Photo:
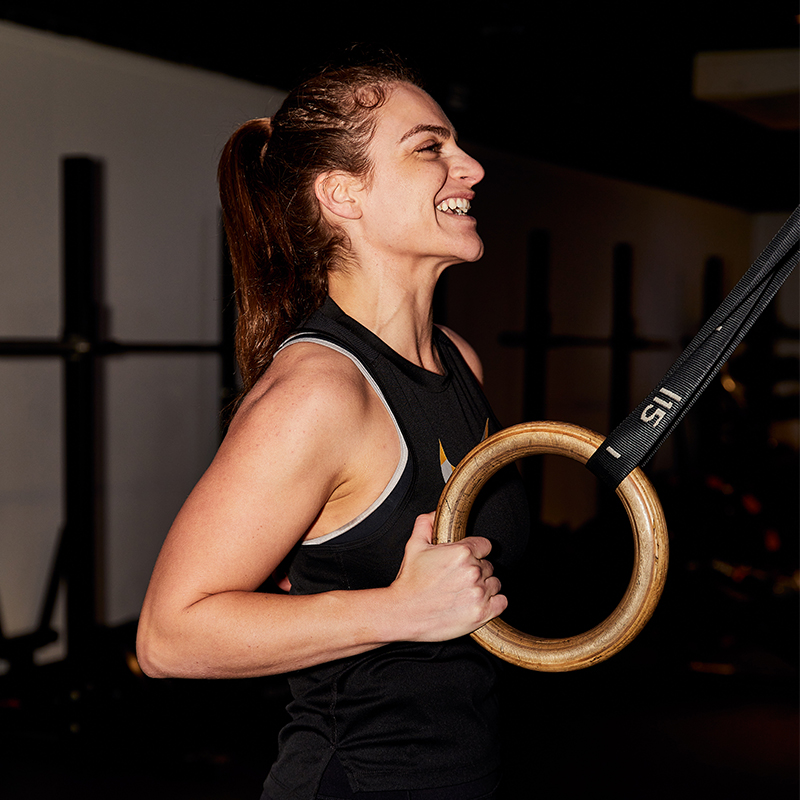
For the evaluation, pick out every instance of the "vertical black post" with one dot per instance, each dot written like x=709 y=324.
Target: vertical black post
x=622 y=335
x=537 y=332
x=82 y=248
x=707 y=412
x=622 y=346
x=713 y=289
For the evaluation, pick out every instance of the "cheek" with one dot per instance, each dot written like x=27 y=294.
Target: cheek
x=405 y=198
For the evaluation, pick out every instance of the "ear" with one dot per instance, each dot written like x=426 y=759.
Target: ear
x=338 y=193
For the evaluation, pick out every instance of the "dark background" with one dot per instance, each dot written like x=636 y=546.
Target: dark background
x=603 y=87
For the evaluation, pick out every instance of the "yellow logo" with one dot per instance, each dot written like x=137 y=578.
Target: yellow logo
x=446 y=467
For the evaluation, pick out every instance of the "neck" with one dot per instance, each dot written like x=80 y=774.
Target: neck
x=399 y=313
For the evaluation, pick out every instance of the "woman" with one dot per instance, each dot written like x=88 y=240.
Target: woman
x=341 y=214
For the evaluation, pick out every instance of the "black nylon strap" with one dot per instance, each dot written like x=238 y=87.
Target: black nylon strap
x=634 y=441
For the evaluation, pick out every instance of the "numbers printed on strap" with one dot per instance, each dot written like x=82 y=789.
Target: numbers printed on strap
x=653 y=414
x=634 y=441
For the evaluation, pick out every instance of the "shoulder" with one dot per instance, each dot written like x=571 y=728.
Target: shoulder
x=310 y=404
x=290 y=447
x=467 y=352
x=307 y=378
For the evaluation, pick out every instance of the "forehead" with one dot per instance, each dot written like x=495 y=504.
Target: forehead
x=409 y=112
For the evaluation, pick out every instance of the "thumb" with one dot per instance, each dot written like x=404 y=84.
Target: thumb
x=422 y=533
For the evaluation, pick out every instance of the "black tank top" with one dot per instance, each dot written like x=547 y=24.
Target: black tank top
x=407 y=715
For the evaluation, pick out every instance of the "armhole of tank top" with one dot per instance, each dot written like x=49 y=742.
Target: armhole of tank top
x=402 y=462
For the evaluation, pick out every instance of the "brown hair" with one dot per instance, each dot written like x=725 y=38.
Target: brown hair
x=279 y=245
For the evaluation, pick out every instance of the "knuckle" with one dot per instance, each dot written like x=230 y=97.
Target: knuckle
x=473 y=574
x=462 y=553
x=475 y=596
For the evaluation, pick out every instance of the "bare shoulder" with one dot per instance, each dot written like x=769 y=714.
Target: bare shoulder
x=290 y=446
x=467 y=352
x=310 y=374
x=308 y=394
x=293 y=445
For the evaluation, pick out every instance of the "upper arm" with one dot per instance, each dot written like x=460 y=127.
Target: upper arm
x=286 y=452
x=467 y=352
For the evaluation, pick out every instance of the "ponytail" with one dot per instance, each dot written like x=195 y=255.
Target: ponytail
x=272 y=296
x=280 y=247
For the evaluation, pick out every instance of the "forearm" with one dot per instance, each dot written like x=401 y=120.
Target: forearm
x=440 y=593
x=250 y=634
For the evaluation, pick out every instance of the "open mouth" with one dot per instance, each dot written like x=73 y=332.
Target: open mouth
x=454 y=205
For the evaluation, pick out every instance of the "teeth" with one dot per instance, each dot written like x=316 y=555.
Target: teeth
x=456 y=205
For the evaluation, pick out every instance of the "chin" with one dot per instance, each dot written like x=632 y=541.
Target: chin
x=473 y=254
x=466 y=259
x=466 y=251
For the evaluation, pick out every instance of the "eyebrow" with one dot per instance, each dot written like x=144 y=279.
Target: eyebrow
x=439 y=130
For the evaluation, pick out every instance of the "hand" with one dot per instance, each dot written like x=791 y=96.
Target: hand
x=446 y=590
x=281 y=580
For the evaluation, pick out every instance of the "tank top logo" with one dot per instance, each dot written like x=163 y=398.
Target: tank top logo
x=446 y=467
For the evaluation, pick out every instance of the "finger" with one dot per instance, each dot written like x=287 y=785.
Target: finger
x=422 y=531
x=479 y=546
x=498 y=604
x=487 y=570
x=282 y=582
x=493 y=585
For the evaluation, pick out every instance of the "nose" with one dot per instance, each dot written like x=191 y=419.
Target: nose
x=468 y=169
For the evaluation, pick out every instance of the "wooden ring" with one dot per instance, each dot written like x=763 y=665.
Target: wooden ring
x=650 y=538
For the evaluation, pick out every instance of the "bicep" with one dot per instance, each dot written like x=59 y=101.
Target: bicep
x=238 y=524
x=269 y=481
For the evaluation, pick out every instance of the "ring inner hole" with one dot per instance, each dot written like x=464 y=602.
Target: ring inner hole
x=580 y=553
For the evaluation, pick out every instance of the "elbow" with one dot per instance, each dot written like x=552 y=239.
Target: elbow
x=154 y=654
x=147 y=656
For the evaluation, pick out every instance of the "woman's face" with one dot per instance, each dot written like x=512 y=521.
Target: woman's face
x=416 y=204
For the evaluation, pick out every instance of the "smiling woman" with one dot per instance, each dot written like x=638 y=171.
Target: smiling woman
x=400 y=221
x=342 y=211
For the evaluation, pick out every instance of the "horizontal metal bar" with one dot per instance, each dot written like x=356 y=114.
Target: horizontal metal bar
x=59 y=348
x=520 y=339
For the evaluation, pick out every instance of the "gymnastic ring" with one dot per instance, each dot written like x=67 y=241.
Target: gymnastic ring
x=651 y=551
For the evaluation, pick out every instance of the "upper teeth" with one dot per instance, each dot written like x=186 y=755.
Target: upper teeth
x=458 y=205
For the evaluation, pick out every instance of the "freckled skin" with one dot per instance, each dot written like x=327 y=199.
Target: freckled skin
x=312 y=445
x=411 y=177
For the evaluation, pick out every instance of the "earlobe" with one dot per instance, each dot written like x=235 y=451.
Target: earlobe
x=337 y=192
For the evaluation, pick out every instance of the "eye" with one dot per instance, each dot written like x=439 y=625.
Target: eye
x=431 y=147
